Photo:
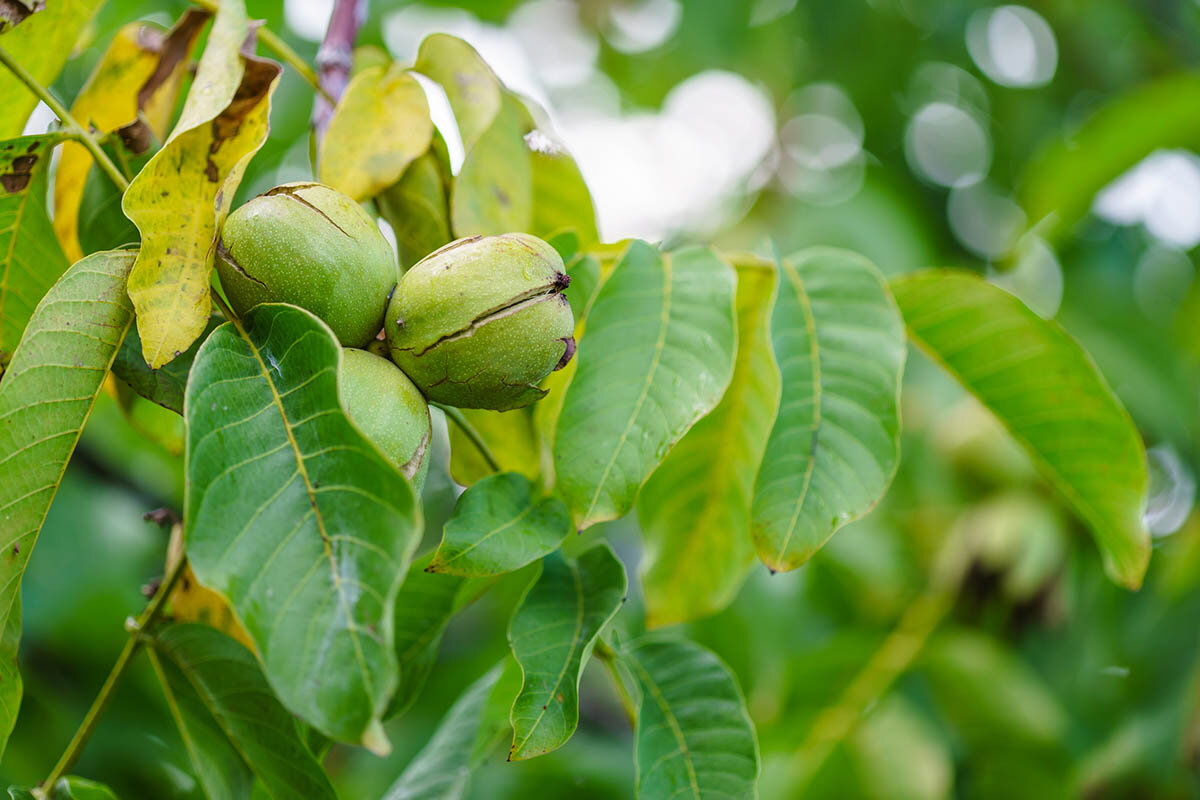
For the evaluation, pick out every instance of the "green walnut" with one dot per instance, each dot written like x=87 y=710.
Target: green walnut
x=314 y=247
x=480 y=322
x=388 y=409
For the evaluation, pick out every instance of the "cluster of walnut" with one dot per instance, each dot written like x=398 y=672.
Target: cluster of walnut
x=478 y=323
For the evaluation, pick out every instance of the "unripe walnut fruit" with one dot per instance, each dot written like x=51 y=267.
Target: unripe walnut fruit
x=314 y=247
x=480 y=322
x=388 y=409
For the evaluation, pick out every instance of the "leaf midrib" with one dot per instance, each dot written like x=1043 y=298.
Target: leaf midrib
x=351 y=628
x=661 y=700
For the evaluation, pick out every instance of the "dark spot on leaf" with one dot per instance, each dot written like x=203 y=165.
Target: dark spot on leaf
x=22 y=172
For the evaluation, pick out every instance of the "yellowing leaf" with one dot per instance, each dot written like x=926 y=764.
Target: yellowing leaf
x=493 y=192
x=41 y=46
x=191 y=601
x=180 y=198
x=141 y=70
x=379 y=126
x=470 y=85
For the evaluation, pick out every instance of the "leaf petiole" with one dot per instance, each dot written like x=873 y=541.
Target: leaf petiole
x=469 y=431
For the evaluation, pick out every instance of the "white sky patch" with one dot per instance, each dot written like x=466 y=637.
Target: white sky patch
x=308 y=19
x=1013 y=45
x=1162 y=192
x=643 y=24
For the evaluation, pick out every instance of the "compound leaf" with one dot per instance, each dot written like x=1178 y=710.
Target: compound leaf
x=695 y=510
x=694 y=737
x=30 y=257
x=835 y=443
x=1050 y=396
x=295 y=518
x=552 y=634
x=500 y=524
x=46 y=396
x=656 y=357
x=234 y=728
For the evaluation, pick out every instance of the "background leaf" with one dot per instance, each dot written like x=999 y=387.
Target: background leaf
x=234 y=729
x=500 y=524
x=471 y=728
x=694 y=737
x=418 y=208
x=73 y=787
x=296 y=518
x=141 y=71
x=470 y=85
x=552 y=634
x=166 y=385
x=1048 y=393
x=493 y=192
x=46 y=396
x=835 y=443
x=193 y=178
x=42 y=45
x=657 y=356
x=1060 y=184
x=510 y=435
x=380 y=125
x=561 y=200
x=30 y=258
x=424 y=606
x=695 y=509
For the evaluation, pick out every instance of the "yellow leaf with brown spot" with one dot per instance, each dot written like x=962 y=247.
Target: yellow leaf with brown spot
x=379 y=126
x=181 y=197
x=140 y=72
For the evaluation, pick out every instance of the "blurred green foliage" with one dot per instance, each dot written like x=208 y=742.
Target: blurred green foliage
x=1045 y=681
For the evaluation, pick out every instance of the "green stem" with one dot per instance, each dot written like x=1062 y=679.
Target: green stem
x=281 y=49
x=135 y=640
x=74 y=129
x=608 y=658
x=469 y=431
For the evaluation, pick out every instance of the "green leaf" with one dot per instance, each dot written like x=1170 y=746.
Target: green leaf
x=695 y=509
x=471 y=728
x=418 y=209
x=165 y=386
x=694 y=737
x=552 y=634
x=500 y=524
x=30 y=257
x=471 y=87
x=988 y=693
x=296 y=518
x=1061 y=183
x=234 y=728
x=493 y=192
x=424 y=605
x=181 y=197
x=75 y=788
x=44 y=43
x=561 y=200
x=20 y=793
x=511 y=437
x=657 y=356
x=1047 y=392
x=899 y=755
x=46 y=396
x=835 y=444
x=380 y=125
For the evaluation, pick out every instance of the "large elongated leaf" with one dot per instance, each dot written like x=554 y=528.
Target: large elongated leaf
x=42 y=45
x=657 y=356
x=552 y=634
x=424 y=605
x=472 y=727
x=233 y=727
x=46 y=396
x=379 y=126
x=695 y=511
x=1046 y=390
x=835 y=443
x=694 y=738
x=561 y=200
x=296 y=518
x=500 y=524
x=30 y=258
x=1060 y=184
x=141 y=71
x=180 y=198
